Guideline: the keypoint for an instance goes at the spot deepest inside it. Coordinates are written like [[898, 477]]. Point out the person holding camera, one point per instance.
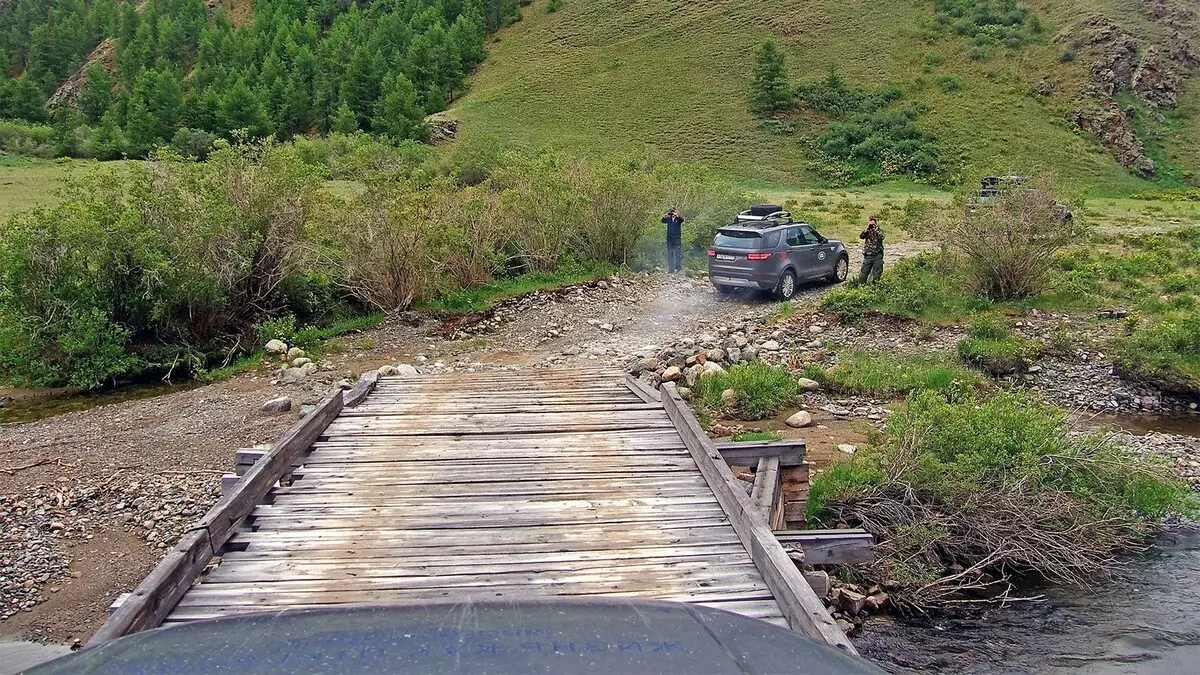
[[674, 223], [872, 266]]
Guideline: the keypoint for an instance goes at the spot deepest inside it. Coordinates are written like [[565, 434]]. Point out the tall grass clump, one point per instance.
[[992, 346], [888, 375], [928, 286], [963, 495], [762, 390], [1165, 353]]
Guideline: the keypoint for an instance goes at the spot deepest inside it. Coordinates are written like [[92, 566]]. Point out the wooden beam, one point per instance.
[[158, 593], [799, 604], [642, 390], [364, 387], [831, 547], [766, 488], [154, 598], [222, 519], [789, 452]]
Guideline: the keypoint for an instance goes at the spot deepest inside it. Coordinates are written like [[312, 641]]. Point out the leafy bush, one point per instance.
[[1010, 242], [926, 286], [992, 346], [988, 21], [887, 375], [869, 136], [963, 494], [949, 83], [762, 390], [132, 270], [1165, 353]]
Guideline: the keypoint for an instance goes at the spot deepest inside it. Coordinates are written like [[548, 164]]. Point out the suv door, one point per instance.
[[802, 250], [825, 253]]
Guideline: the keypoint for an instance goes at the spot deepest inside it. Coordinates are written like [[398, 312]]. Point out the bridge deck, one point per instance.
[[484, 486]]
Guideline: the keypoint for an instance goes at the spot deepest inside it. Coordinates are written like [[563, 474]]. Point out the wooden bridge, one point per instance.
[[485, 486]]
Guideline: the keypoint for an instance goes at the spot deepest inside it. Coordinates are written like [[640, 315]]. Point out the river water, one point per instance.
[[1147, 622]]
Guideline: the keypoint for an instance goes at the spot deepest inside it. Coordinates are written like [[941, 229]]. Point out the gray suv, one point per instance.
[[764, 249]]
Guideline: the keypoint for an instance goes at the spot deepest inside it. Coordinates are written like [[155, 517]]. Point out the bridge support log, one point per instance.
[[799, 603]]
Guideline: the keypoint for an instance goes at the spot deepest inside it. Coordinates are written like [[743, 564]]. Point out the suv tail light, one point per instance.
[[758, 256], [711, 253]]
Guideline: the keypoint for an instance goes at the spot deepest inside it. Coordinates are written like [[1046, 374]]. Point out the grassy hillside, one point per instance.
[[605, 77]]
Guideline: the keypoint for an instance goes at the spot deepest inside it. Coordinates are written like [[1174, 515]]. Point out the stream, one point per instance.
[[21, 406], [1147, 622]]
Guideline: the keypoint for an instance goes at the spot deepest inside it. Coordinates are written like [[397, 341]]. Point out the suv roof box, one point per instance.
[[762, 210]]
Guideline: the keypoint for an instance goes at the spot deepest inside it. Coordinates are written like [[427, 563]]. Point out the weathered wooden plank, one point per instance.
[[469, 521], [642, 390], [224, 516], [803, 609], [650, 582], [789, 452], [831, 547], [347, 572], [766, 492], [362, 389], [158, 593]]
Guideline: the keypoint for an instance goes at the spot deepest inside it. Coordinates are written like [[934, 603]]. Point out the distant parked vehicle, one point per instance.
[[991, 187], [765, 249]]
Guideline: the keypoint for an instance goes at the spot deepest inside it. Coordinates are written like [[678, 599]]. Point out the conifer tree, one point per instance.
[[770, 90], [397, 112]]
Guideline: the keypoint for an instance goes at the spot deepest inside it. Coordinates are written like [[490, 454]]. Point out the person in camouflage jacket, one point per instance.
[[872, 266]]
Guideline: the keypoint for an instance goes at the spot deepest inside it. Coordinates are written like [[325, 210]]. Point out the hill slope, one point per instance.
[[604, 77]]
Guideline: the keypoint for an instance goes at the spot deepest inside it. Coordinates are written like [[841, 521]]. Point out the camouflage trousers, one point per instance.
[[872, 268]]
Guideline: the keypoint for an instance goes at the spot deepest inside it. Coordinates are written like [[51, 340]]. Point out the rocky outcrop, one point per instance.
[[68, 92], [1152, 68], [1113, 126], [1155, 82], [442, 129]]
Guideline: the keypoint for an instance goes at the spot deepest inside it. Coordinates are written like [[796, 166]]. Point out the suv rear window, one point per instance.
[[738, 239]]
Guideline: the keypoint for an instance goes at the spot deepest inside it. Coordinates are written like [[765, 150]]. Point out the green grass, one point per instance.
[[26, 183], [752, 436], [610, 78], [993, 347], [887, 375], [762, 390], [310, 338], [479, 299]]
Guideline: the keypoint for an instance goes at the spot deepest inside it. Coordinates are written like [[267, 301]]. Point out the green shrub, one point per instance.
[[762, 390], [281, 328], [926, 286], [949, 83], [992, 346], [887, 375], [1165, 353], [998, 486]]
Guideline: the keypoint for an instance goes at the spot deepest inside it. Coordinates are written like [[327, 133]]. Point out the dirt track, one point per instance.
[[82, 504]]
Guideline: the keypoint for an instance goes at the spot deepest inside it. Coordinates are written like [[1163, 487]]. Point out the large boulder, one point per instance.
[[295, 353], [801, 419], [808, 385], [276, 347], [406, 370], [300, 362], [672, 374]]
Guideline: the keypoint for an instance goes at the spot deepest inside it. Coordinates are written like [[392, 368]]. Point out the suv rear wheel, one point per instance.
[[786, 288], [841, 270]]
